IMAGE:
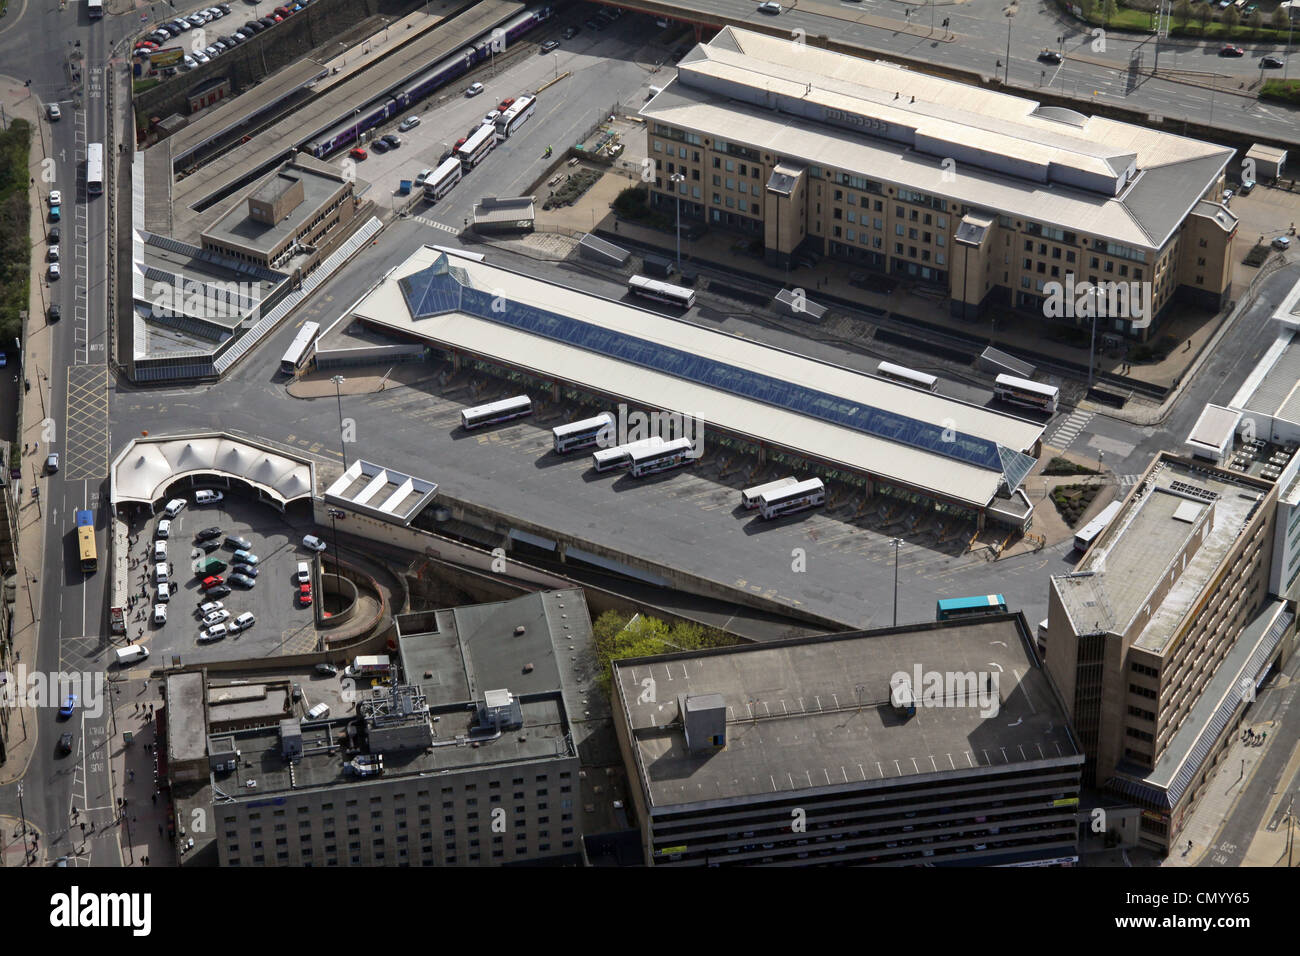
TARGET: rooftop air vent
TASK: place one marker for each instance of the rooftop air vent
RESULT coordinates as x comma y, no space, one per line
519,631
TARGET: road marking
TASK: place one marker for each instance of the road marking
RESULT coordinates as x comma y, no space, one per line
1069,429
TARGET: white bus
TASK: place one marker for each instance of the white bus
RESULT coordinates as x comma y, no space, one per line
1086,535
582,434
478,146
906,376
607,459
519,113
493,412
94,169
441,181
749,497
296,355
1021,391
671,454
797,497
661,291
95,9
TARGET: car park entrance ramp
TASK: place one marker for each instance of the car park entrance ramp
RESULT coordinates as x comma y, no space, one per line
606,253
993,360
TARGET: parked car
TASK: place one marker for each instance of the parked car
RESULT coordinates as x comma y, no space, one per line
52,111
474,89
201,57
164,592
408,124
215,633
207,534
423,175
52,253
304,595
55,235
243,622
55,213
770,8
243,580
313,543
209,607
211,581
356,152
216,617
160,613
1281,242
550,45
237,543
379,146
327,670
164,528
392,139
54,314
247,570
52,272
52,462
244,556
56,197
570,32
188,62
1246,186
220,591
206,497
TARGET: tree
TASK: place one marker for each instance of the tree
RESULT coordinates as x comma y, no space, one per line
1231,20
1203,13
1256,22
1108,10
1280,21
1183,11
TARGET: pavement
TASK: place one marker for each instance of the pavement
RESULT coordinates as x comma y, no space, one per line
19,102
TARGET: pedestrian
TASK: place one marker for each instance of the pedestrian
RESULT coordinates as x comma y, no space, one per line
160,829
131,777
83,826
155,800
1263,737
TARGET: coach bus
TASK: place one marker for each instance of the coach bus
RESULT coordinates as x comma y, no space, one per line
519,113
493,412
478,146
671,454
296,355
796,497
661,291
86,540
951,608
1021,391
608,459
906,376
582,434
441,181
1085,536
749,497
94,169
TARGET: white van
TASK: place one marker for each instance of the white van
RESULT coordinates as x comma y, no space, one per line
160,572
160,550
319,712
174,507
129,655
304,573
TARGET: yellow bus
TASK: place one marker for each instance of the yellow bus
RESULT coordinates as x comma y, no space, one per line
86,541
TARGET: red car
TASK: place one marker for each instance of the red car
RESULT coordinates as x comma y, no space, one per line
283,11
358,153
212,581
146,45
304,594
1229,50
505,104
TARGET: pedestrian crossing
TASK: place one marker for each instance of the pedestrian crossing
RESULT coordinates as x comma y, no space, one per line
436,225
1069,429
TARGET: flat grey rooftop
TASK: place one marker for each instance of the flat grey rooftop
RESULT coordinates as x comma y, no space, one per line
236,227
186,725
1136,550
813,713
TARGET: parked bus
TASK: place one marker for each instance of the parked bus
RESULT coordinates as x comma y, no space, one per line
1084,537
906,376
519,113
661,291
607,459
94,169
950,608
749,497
478,146
797,497
493,412
296,355
671,454
86,541
95,9
443,179
582,434
1021,391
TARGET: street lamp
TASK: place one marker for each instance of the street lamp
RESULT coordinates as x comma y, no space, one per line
898,544
343,447
335,513
556,55
676,179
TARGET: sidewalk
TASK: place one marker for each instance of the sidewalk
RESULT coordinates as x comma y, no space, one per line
19,102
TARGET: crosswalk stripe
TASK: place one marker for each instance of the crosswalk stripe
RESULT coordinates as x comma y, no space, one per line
436,225
1069,429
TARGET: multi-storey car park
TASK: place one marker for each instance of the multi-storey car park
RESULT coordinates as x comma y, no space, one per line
801,753
859,432
985,196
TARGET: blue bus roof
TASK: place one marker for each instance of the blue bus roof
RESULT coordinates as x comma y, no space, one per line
85,518
979,600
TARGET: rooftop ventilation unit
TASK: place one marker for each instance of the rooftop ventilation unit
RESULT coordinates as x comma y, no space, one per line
704,718
499,711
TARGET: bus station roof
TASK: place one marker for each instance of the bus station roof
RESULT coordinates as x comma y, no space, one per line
822,411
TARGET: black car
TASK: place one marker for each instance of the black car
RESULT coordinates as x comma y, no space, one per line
65,744
229,41
54,235
210,546
208,533
393,140
380,146
266,22
1049,56
252,26
570,32
54,314
220,591
247,570
1272,62
224,8
237,543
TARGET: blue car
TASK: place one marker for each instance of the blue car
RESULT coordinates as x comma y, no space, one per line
69,705
245,557
55,214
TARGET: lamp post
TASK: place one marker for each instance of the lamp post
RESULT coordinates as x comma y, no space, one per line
27,858
898,544
334,514
343,446
676,179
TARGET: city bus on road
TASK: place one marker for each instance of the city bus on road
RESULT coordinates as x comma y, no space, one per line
95,9
906,376
749,497
607,459
674,295
1084,537
797,497
671,454
95,169
950,608
478,146
519,113
86,541
493,412
296,355
582,434
1021,391
443,179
